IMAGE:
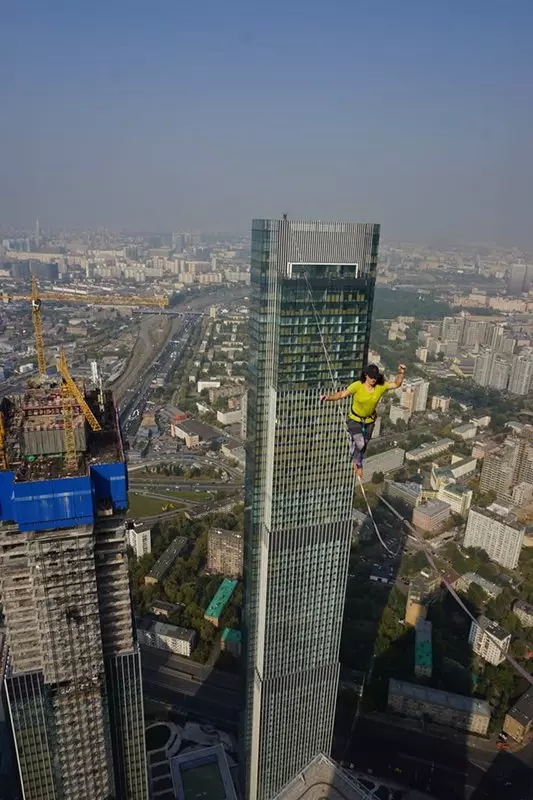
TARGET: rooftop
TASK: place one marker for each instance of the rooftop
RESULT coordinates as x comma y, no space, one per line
223,594
164,629
436,697
522,711
34,432
527,608
423,645
231,635
492,628
489,587
320,779
432,508
203,775
192,427
167,558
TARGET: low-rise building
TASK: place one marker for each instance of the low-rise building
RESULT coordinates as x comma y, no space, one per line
458,497
489,641
231,641
193,433
445,708
518,721
524,612
384,462
466,431
229,417
177,640
398,412
428,450
423,649
165,561
217,605
463,583
408,492
421,591
139,538
225,551
163,609
431,515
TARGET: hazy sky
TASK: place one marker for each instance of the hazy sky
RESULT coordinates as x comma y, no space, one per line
174,114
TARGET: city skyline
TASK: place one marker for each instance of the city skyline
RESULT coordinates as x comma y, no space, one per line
310,282
171,137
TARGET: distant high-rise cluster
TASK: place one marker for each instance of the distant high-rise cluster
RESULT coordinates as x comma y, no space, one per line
508,470
486,351
519,279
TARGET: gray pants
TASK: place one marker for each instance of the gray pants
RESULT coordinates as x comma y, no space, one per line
360,434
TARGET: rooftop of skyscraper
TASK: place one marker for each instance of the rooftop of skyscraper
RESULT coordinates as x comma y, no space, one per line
323,778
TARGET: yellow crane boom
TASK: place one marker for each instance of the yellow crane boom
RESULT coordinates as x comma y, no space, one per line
38,328
71,457
75,392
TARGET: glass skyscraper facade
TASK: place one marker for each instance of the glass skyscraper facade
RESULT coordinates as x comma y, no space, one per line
311,296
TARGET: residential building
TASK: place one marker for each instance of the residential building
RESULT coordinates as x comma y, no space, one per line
163,636
516,279
166,560
444,708
322,775
298,523
421,591
414,395
399,413
429,449
163,609
139,538
440,403
219,602
423,649
518,721
408,492
231,641
521,377
463,583
225,551
467,431
73,680
524,612
384,462
229,417
431,515
489,641
496,531
193,433
422,354
458,497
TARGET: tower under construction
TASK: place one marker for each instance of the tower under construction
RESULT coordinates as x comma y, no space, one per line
73,678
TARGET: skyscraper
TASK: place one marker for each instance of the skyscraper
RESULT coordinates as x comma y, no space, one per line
516,279
73,680
312,289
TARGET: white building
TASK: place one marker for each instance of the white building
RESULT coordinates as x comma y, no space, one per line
384,462
139,538
495,531
458,497
524,612
440,403
489,641
414,395
397,412
229,417
467,431
429,449
177,640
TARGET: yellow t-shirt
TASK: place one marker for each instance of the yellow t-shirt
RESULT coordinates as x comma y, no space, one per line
364,402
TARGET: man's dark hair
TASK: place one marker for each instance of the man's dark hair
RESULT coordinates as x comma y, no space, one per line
372,371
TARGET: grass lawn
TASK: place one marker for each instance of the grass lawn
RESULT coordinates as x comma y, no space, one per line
141,506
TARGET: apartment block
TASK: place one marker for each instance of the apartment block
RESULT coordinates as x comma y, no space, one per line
225,551
163,636
384,462
489,641
496,531
429,449
444,708
431,515
518,721
139,538
524,612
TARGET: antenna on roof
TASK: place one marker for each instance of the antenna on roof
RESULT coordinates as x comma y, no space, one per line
285,217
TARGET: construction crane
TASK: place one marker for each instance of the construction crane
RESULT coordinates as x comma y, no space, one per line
74,392
71,456
3,459
37,297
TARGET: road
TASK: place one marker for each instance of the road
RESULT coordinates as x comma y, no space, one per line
184,485
446,768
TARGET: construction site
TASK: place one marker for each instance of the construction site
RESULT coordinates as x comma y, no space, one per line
73,678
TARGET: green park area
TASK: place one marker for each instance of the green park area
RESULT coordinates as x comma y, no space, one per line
187,585
139,505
